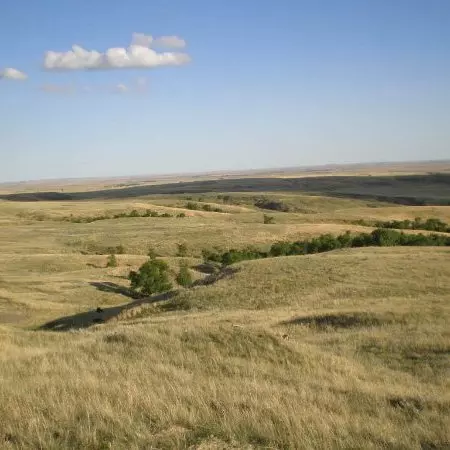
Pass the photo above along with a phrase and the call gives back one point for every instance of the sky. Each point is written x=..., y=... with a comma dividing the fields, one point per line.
x=104, y=88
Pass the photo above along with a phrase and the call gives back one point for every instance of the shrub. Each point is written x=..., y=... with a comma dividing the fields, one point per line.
x=165, y=215
x=206, y=207
x=182, y=250
x=111, y=261
x=181, y=215
x=134, y=213
x=211, y=256
x=184, y=277
x=385, y=237
x=280, y=249
x=191, y=205
x=120, y=249
x=273, y=205
x=151, y=253
x=151, y=278
x=150, y=213
x=268, y=219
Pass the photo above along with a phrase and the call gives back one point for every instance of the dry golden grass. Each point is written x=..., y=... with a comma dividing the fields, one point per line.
x=348, y=349
x=364, y=364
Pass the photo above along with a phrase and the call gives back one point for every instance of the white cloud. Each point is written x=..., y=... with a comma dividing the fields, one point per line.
x=137, y=55
x=144, y=40
x=12, y=74
x=169, y=42
x=121, y=88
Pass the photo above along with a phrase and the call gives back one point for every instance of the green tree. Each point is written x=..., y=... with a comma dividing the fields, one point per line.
x=151, y=278
x=111, y=261
x=184, y=277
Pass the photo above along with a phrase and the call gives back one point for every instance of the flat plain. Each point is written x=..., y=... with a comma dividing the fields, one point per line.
x=344, y=349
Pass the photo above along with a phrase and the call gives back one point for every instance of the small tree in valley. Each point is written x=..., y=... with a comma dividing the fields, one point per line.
x=151, y=278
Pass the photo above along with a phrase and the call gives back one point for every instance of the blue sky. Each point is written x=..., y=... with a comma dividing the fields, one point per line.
x=269, y=84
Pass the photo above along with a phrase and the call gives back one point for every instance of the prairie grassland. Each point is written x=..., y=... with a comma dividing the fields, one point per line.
x=363, y=363
x=347, y=349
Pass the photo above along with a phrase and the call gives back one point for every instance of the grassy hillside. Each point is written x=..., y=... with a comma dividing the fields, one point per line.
x=345, y=349
x=338, y=350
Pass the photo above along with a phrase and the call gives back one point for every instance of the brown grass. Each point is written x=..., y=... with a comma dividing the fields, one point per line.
x=348, y=349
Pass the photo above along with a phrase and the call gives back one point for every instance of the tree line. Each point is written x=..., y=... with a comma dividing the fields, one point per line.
x=153, y=276
x=381, y=237
x=418, y=223
x=133, y=214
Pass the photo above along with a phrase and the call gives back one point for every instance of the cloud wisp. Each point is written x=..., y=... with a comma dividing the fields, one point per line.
x=138, y=55
x=12, y=74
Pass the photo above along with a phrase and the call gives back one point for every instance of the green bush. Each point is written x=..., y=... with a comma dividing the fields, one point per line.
x=191, y=205
x=273, y=205
x=111, y=261
x=151, y=278
x=184, y=277
x=181, y=215
x=268, y=219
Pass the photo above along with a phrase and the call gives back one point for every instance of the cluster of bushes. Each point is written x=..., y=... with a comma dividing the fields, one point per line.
x=122, y=215
x=273, y=205
x=196, y=207
x=380, y=237
x=227, y=199
x=153, y=277
x=93, y=248
x=416, y=224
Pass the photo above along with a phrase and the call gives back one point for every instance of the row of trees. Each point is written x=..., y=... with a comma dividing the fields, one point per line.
x=418, y=223
x=380, y=237
x=154, y=275
x=206, y=207
x=133, y=214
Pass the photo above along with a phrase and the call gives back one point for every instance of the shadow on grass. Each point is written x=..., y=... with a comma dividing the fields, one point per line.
x=101, y=315
x=346, y=320
x=430, y=189
x=114, y=288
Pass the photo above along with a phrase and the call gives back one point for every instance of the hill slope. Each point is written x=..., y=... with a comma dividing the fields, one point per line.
x=341, y=350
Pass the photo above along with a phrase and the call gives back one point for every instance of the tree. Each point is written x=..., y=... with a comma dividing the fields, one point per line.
x=191, y=205
x=184, y=277
x=151, y=278
x=268, y=219
x=111, y=261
